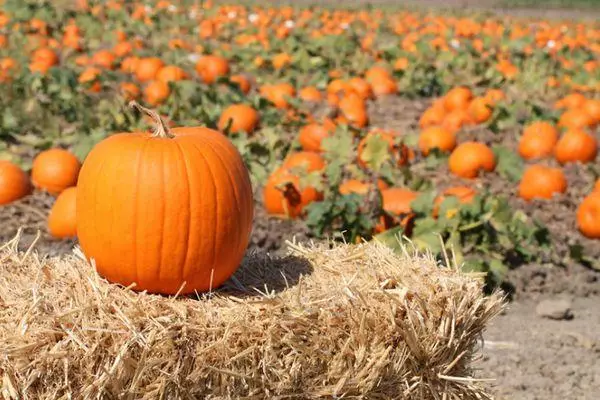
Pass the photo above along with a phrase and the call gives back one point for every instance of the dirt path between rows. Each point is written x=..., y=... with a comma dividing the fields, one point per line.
x=535, y=358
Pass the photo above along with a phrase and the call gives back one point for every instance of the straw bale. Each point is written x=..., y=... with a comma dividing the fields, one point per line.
x=326, y=321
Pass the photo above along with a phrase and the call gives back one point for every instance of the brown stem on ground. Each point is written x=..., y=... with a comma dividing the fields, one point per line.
x=161, y=130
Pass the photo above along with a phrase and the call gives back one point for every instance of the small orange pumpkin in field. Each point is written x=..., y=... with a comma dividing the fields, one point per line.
x=307, y=160
x=354, y=110
x=14, y=182
x=129, y=64
x=493, y=96
x=592, y=108
x=146, y=69
x=242, y=82
x=588, y=216
x=538, y=140
x=576, y=145
x=358, y=187
x=156, y=92
x=281, y=61
x=541, y=182
x=104, y=59
x=283, y=196
x=480, y=110
x=469, y=158
x=54, y=170
x=311, y=94
x=242, y=118
x=183, y=232
x=573, y=100
x=396, y=202
x=360, y=86
x=383, y=86
x=62, y=220
x=278, y=94
x=455, y=120
x=432, y=116
x=576, y=118
x=212, y=67
x=312, y=135
x=171, y=73
x=89, y=77
x=436, y=137
x=129, y=90
x=458, y=98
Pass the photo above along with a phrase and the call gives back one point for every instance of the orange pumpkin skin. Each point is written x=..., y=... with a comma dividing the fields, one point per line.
x=243, y=118
x=283, y=195
x=541, y=182
x=146, y=69
x=538, y=140
x=471, y=157
x=588, y=216
x=576, y=145
x=310, y=93
x=62, y=220
x=458, y=98
x=436, y=137
x=156, y=92
x=242, y=82
x=358, y=187
x=55, y=170
x=311, y=136
x=211, y=67
x=396, y=202
x=161, y=211
x=14, y=182
x=307, y=160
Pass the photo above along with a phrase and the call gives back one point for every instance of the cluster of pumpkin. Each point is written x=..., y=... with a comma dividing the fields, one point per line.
x=440, y=123
x=54, y=171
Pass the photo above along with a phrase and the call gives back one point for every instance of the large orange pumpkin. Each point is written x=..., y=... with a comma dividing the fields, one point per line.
x=169, y=211
x=14, y=182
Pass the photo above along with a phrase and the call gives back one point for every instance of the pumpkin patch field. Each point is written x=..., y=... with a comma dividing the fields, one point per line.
x=187, y=133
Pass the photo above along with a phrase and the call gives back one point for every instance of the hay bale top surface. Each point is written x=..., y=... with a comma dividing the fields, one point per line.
x=326, y=320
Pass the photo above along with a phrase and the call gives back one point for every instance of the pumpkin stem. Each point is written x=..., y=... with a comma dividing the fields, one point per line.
x=161, y=129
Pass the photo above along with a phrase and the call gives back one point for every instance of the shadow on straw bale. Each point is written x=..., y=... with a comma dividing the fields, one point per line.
x=336, y=321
